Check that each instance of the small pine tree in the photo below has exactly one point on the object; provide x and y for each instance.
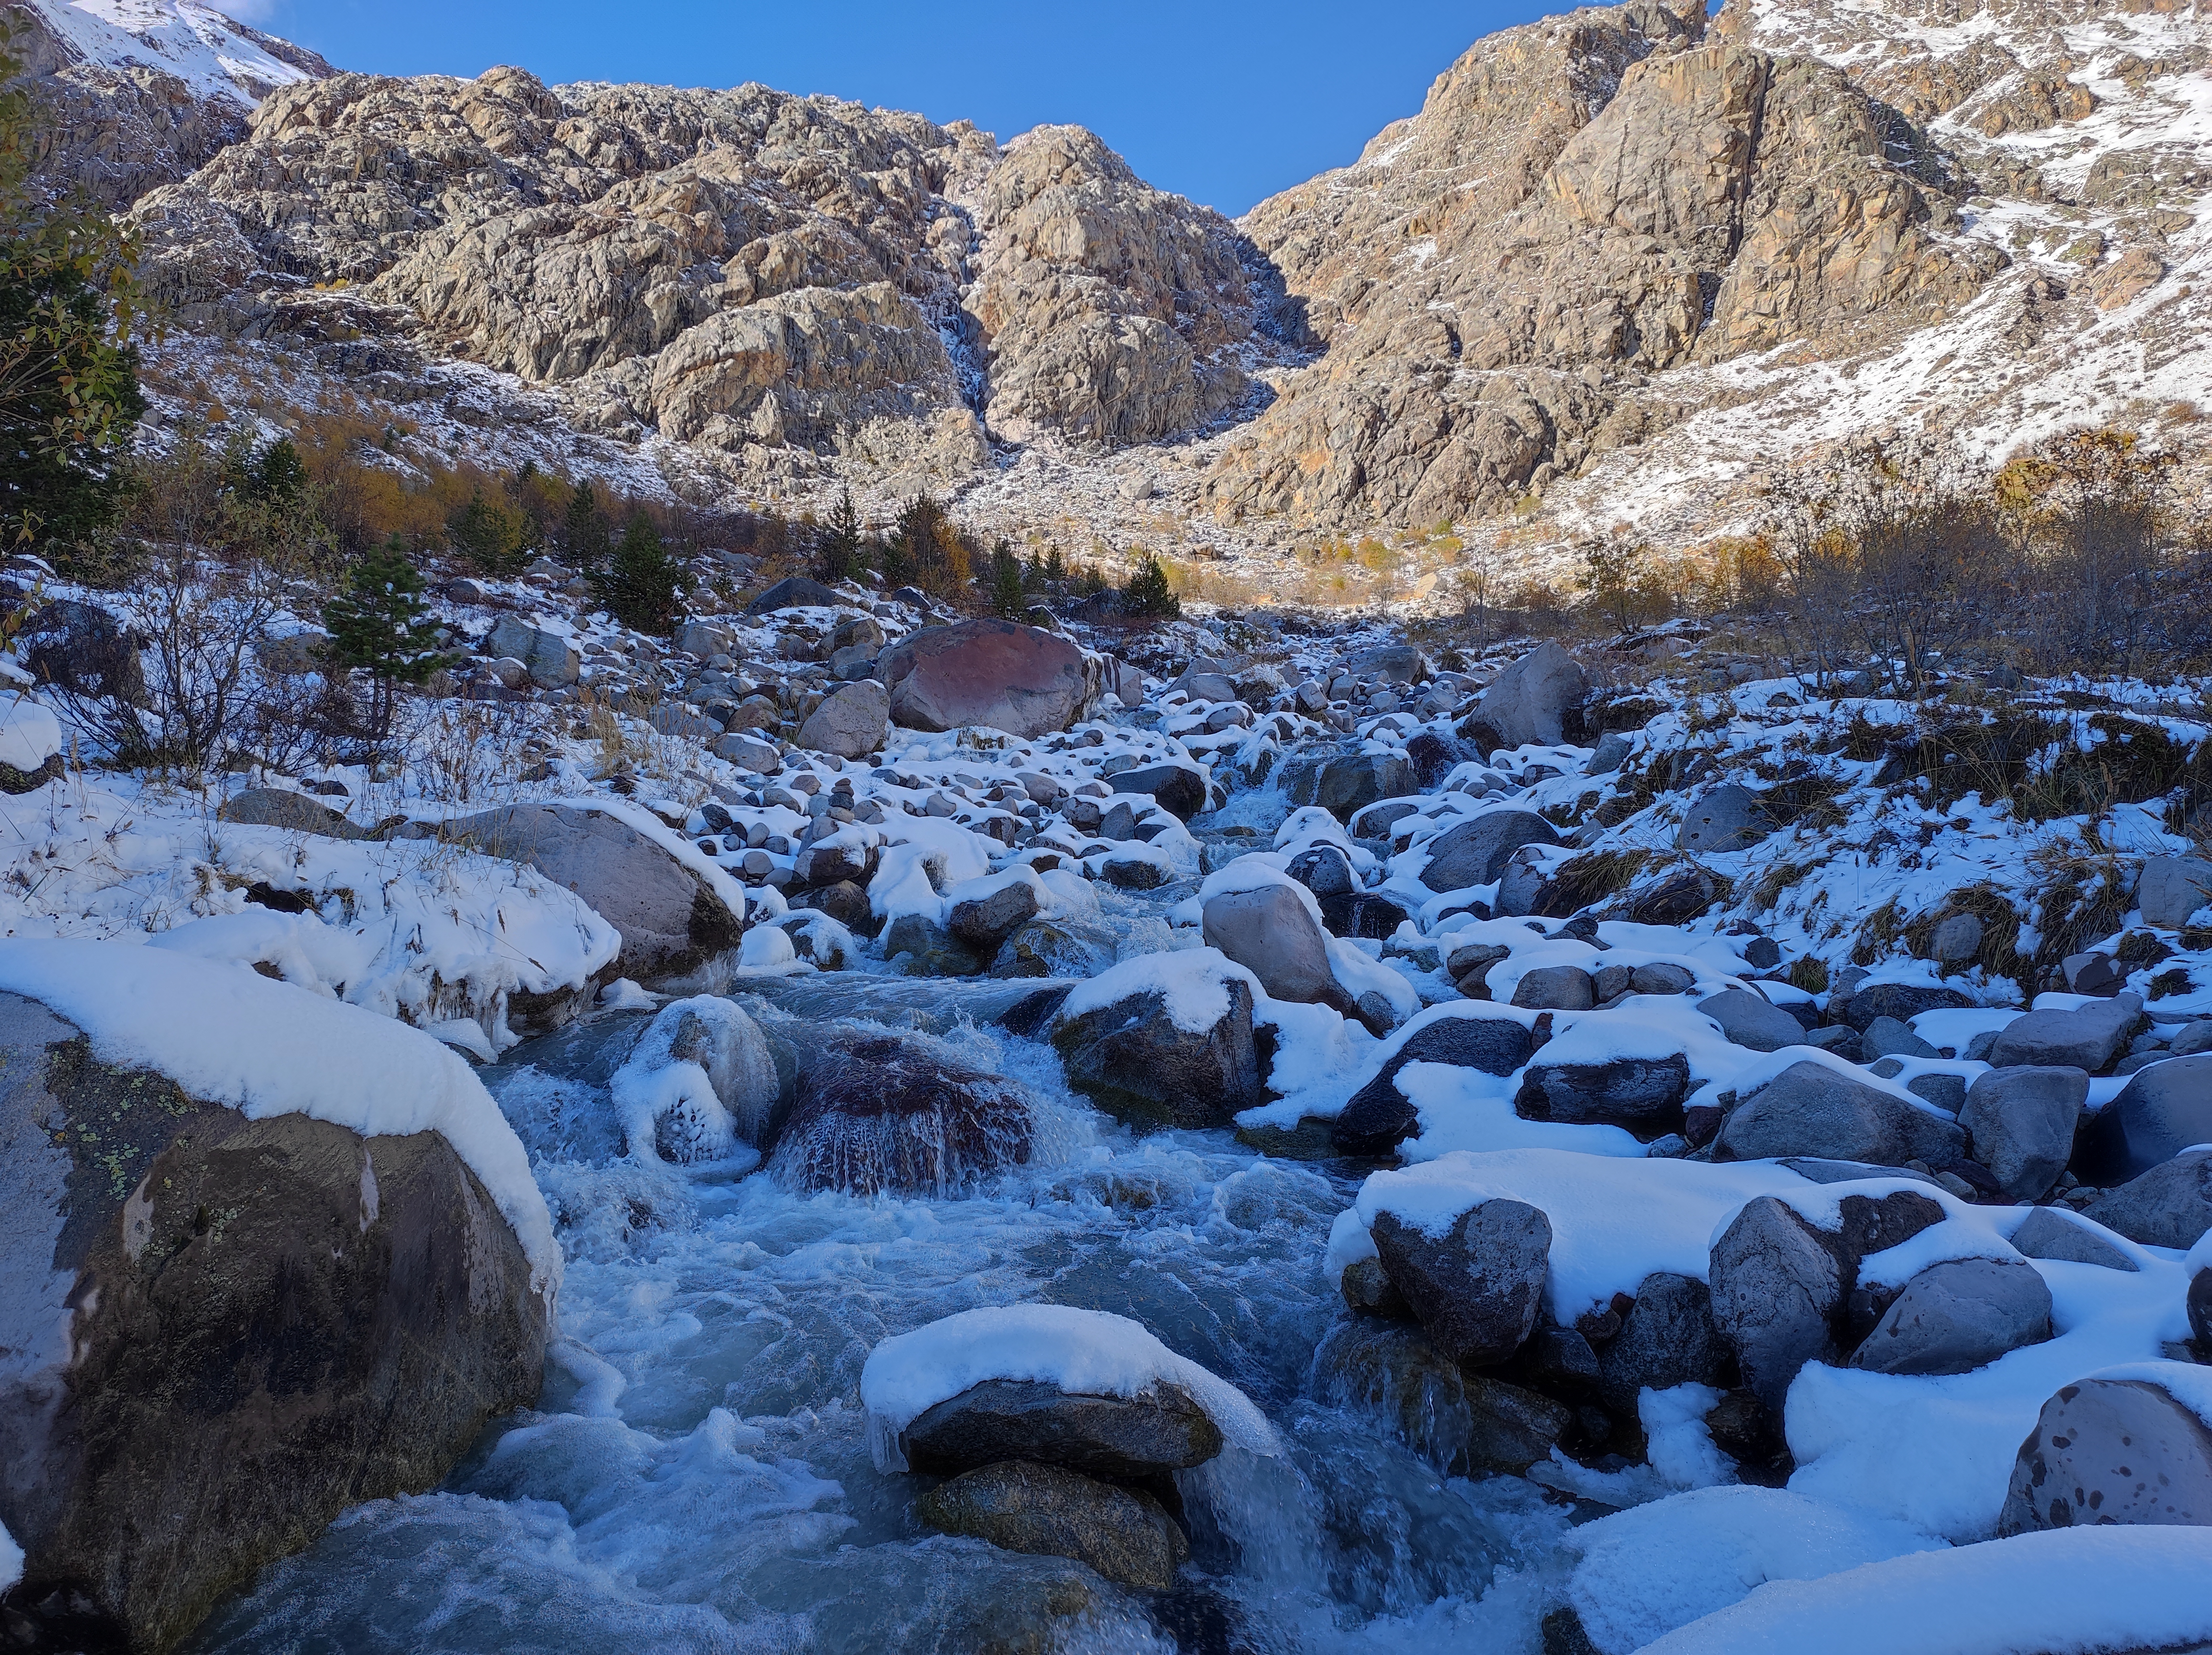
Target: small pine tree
(837, 547)
(380, 626)
(489, 533)
(279, 476)
(1008, 597)
(1055, 568)
(891, 559)
(585, 539)
(639, 588)
(1148, 593)
(930, 547)
(1091, 581)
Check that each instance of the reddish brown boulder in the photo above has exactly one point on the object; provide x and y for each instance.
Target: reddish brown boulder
(1019, 679)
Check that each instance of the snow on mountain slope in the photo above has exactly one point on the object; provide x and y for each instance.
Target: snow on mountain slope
(215, 55)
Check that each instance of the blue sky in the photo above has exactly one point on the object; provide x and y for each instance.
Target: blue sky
(1225, 100)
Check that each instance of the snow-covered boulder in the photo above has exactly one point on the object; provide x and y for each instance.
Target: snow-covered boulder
(1475, 1281)
(1165, 1039)
(2164, 1109)
(1475, 851)
(671, 906)
(270, 1255)
(30, 742)
(700, 1083)
(1815, 1108)
(890, 1113)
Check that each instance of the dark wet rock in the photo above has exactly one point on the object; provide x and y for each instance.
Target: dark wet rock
(1777, 1287)
(1555, 988)
(1055, 947)
(983, 923)
(1379, 1117)
(1956, 1316)
(1162, 1428)
(1349, 785)
(1643, 1094)
(1324, 870)
(2162, 1110)
(1463, 1425)
(1809, 1109)
(1476, 1287)
(2087, 1458)
(1178, 788)
(930, 949)
(262, 1323)
(1124, 1534)
(795, 592)
(1363, 913)
(1475, 851)
(882, 1113)
(1668, 1338)
(1131, 1060)
(2169, 1206)
(2022, 1123)
(1674, 899)
(1903, 1001)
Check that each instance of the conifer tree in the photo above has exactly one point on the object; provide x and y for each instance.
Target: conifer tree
(837, 548)
(640, 587)
(1008, 597)
(381, 626)
(585, 540)
(1148, 593)
(489, 533)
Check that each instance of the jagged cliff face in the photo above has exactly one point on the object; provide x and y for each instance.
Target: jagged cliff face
(1621, 266)
(144, 91)
(770, 275)
(1580, 205)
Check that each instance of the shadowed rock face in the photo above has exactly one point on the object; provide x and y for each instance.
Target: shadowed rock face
(885, 1113)
(235, 1330)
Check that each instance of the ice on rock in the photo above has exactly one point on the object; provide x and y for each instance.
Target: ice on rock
(1081, 1352)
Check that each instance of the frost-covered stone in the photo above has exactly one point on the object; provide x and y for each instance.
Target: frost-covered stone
(990, 911)
(1643, 1094)
(277, 807)
(1956, 1316)
(2022, 1124)
(2109, 1451)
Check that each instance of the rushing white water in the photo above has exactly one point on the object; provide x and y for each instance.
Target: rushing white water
(696, 1476)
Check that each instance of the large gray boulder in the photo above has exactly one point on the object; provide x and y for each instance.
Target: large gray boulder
(851, 722)
(1752, 1021)
(1533, 700)
(982, 922)
(1956, 1316)
(1269, 932)
(1477, 1287)
(1131, 1059)
(670, 918)
(793, 592)
(1722, 819)
(2171, 888)
(2111, 1450)
(222, 1332)
(1474, 851)
(1379, 1117)
(1809, 1109)
(2087, 1038)
(1348, 785)
(2020, 1123)
(1023, 680)
(2165, 1108)
(1668, 1338)
(1554, 988)
(551, 658)
(1161, 1429)
(295, 813)
(2169, 1206)
(1179, 788)
(1777, 1287)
